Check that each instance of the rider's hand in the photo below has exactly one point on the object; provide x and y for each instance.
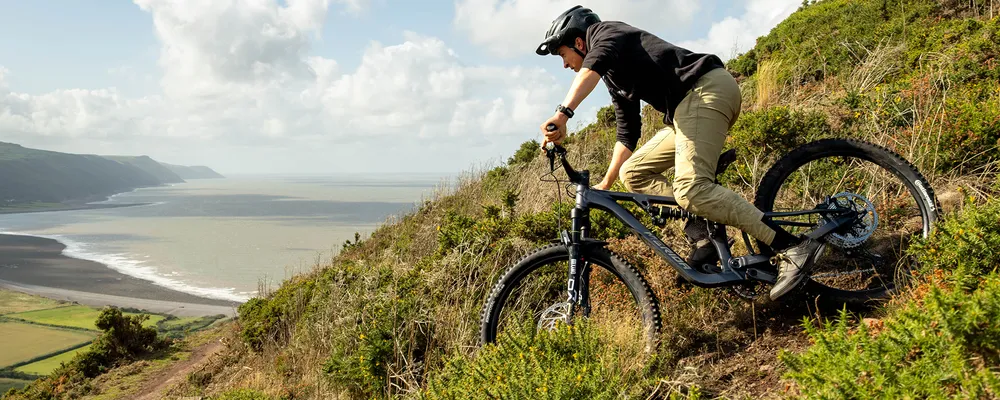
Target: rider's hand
(556, 136)
(604, 185)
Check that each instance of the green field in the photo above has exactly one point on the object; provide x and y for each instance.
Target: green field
(44, 367)
(23, 342)
(72, 316)
(187, 323)
(7, 384)
(15, 302)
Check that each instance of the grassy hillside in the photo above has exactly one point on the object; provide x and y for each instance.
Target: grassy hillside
(149, 166)
(31, 178)
(28, 175)
(397, 314)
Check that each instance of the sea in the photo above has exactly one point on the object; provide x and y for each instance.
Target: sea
(229, 238)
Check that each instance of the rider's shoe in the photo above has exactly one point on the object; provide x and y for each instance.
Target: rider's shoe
(794, 264)
(703, 258)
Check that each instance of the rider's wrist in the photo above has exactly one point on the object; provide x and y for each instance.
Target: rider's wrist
(568, 112)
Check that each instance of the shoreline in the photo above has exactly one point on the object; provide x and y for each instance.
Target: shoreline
(36, 265)
(69, 207)
(174, 308)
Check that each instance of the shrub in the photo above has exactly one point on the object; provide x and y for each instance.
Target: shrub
(385, 332)
(964, 245)
(941, 340)
(455, 228)
(777, 130)
(528, 151)
(123, 339)
(606, 117)
(568, 363)
(941, 345)
(261, 319)
(242, 394)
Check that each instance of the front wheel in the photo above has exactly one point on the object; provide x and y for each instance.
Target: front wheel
(865, 261)
(533, 294)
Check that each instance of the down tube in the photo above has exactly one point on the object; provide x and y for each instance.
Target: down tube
(701, 279)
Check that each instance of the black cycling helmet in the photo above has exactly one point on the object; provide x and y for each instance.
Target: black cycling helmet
(568, 26)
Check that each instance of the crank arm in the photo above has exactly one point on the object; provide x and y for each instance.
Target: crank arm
(828, 227)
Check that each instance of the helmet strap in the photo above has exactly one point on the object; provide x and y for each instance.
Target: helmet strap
(578, 50)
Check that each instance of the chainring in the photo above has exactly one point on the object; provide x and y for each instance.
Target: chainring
(861, 229)
(750, 290)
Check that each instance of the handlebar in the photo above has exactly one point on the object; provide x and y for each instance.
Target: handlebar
(552, 150)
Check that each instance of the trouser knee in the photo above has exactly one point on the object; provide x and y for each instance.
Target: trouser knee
(630, 177)
(692, 197)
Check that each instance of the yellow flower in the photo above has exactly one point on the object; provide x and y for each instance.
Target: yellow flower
(361, 336)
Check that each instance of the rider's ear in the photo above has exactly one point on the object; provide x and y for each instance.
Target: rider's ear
(581, 45)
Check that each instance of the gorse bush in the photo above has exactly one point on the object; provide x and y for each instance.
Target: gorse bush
(942, 344)
(528, 151)
(242, 394)
(941, 341)
(567, 363)
(261, 319)
(964, 246)
(386, 325)
(777, 130)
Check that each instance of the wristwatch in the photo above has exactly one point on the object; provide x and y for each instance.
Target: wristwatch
(565, 110)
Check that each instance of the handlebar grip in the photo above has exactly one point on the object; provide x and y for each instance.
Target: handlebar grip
(551, 127)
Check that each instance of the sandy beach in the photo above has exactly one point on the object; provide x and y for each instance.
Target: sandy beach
(36, 265)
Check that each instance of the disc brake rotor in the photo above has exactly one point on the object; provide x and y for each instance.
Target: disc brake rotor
(861, 229)
(556, 313)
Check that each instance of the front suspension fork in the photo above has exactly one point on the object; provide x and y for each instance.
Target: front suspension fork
(578, 284)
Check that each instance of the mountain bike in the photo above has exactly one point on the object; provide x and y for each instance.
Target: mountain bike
(865, 202)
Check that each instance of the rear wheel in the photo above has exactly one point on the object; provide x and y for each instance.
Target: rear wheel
(867, 260)
(533, 294)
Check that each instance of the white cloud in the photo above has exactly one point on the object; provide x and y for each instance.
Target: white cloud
(238, 74)
(733, 36)
(515, 27)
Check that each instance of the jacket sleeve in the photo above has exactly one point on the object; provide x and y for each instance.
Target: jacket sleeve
(628, 120)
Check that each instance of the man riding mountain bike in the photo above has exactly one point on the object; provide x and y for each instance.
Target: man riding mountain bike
(700, 101)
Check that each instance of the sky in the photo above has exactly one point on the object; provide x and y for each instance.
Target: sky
(315, 86)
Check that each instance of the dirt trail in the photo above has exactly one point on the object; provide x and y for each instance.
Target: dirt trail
(157, 386)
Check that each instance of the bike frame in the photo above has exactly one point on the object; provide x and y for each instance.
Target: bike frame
(735, 270)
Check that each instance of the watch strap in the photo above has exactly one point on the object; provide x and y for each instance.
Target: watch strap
(565, 110)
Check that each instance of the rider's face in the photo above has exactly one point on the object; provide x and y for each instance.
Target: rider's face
(570, 58)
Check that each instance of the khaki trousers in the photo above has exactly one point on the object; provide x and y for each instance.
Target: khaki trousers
(692, 147)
